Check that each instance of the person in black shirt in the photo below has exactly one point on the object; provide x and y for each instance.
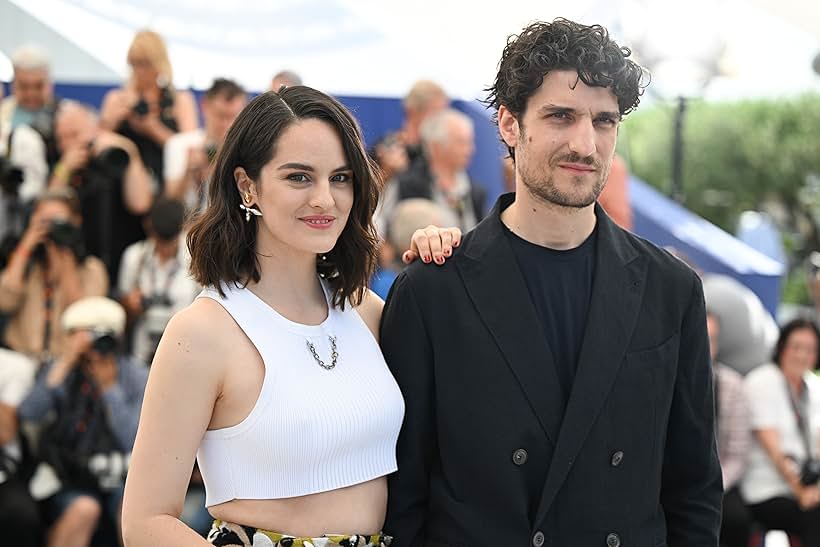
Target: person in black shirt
(556, 369)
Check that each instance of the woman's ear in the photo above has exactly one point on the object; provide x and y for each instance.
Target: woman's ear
(247, 191)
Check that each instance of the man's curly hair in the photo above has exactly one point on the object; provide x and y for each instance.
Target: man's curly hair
(564, 45)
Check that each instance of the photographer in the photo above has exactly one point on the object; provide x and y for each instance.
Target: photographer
(47, 271)
(189, 155)
(19, 514)
(781, 481)
(110, 179)
(27, 145)
(95, 395)
(147, 109)
(154, 280)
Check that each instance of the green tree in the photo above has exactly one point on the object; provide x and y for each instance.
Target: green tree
(736, 156)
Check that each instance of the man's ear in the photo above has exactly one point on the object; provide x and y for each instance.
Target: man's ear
(508, 126)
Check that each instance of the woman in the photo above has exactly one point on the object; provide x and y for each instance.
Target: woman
(148, 110)
(47, 272)
(784, 398)
(290, 409)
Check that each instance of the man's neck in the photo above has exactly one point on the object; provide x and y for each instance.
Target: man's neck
(547, 224)
(444, 176)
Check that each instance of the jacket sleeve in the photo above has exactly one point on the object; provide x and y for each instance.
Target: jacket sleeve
(42, 398)
(691, 489)
(408, 353)
(123, 402)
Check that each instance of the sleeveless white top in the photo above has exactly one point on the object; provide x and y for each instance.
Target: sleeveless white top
(311, 430)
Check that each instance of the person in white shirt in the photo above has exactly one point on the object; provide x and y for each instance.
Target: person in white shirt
(154, 281)
(273, 378)
(781, 481)
(189, 155)
(19, 515)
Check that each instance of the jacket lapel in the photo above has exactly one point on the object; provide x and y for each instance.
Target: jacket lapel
(617, 291)
(496, 286)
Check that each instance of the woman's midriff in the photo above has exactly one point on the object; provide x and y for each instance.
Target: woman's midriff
(357, 509)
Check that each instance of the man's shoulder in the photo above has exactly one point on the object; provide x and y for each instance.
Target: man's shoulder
(670, 267)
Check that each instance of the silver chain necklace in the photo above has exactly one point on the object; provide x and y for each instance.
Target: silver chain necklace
(334, 355)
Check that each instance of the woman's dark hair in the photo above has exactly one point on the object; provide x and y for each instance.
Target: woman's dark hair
(563, 45)
(222, 243)
(787, 330)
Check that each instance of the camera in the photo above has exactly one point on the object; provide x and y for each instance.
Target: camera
(158, 312)
(141, 107)
(810, 472)
(11, 177)
(103, 341)
(64, 234)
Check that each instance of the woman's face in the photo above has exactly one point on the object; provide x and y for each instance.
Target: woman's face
(145, 75)
(799, 353)
(305, 192)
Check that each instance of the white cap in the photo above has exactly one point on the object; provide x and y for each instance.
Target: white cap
(95, 312)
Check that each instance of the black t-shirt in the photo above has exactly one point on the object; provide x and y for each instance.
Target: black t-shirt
(560, 287)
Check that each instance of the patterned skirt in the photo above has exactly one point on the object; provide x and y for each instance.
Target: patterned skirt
(228, 534)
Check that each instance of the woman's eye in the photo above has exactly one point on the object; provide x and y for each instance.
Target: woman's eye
(298, 177)
(341, 177)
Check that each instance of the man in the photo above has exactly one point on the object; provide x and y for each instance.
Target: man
(449, 142)
(189, 156)
(95, 395)
(556, 370)
(287, 78)
(733, 438)
(27, 122)
(424, 99)
(154, 279)
(106, 170)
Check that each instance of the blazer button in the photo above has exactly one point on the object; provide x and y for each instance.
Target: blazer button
(538, 539)
(613, 540)
(616, 459)
(520, 457)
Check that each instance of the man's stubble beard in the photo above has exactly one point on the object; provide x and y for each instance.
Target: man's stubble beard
(543, 188)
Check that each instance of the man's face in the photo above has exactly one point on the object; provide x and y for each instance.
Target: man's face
(457, 151)
(31, 88)
(219, 113)
(74, 129)
(565, 141)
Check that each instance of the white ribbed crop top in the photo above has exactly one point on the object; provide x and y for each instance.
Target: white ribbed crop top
(311, 430)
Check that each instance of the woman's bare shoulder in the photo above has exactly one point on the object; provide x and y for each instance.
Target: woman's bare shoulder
(370, 311)
(204, 327)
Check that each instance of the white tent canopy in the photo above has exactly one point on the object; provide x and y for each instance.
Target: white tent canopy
(378, 48)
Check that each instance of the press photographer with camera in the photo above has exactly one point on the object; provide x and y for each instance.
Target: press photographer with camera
(154, 280)
(47, 271)
(106, 170)
(27, 145)
(781, 483)
(147, 109)
(189, 156)
(95, 394)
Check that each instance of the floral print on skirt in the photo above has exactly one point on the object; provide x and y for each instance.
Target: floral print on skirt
(227, 534)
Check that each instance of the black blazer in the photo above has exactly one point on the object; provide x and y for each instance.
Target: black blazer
(492, 452)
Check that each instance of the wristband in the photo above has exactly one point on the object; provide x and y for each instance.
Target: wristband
(60, 172)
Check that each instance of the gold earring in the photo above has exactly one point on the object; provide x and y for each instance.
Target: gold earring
(247, 197)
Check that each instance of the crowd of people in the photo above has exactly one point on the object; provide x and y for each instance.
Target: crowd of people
(136, 239)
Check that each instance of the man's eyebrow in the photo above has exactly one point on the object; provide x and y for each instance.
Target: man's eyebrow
(547, 108)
